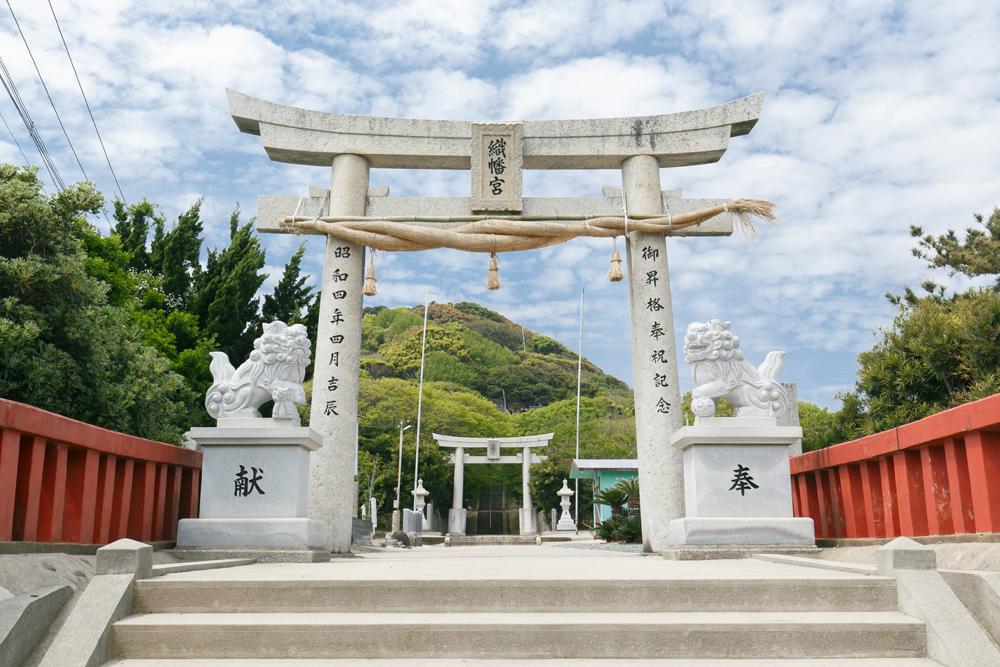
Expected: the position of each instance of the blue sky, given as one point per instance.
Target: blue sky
(877, 115)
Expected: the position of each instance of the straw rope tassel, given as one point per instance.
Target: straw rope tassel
(371, 283)
(615, 270)
(493, 277)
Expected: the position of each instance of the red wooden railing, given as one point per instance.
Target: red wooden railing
(62, 480)
(936, 476)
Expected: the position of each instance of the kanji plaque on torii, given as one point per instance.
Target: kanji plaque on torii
(496, 218)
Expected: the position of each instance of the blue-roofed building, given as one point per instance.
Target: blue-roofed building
(605, 473)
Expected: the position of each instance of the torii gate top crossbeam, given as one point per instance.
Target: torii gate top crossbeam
(516, 441)
(302, 136)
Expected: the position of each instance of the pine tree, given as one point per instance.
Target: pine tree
(178, 252)
(156, 245)
(291, 296)
(978, 254)
(132, 227)
(225, 296)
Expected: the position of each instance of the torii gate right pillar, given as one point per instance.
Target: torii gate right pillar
(654, 359)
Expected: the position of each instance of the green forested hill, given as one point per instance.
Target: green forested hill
(484, 376)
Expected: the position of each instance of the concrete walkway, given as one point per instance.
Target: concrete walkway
(546, 562)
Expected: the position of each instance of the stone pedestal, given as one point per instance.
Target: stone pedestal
(254, 490)
(456, 521)
(737, 486)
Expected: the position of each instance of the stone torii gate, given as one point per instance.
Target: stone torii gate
(352, 145)
(494, 454)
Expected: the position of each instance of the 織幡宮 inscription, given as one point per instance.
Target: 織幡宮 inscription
(496, 161)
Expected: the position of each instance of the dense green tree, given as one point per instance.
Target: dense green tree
(607, 430)
(384, 403)
(820, 427)
(66, 347)
(225, 300)
(404, 352)
(292, 296)
(936, 354)
(131, 226)
(176, 255)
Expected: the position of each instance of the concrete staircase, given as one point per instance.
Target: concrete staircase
(794, 621)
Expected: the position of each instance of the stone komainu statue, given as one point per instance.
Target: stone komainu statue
(274, 372)
(720, 371)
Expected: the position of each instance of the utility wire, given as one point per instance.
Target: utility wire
(52, 103)
(14, 139)
(22, 110)
(86, 101)
(46, 88)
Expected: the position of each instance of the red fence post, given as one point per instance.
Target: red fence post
(982, 448)
(175, 503)
(148, 500)
(910, 493)
(958, 482)
(890, 501)
(937, 500)
(825, 526)
(59, 493)
(195, 497)
(10, 452)
(855, 524)
(160, 508)
(32, 520)
(107, 498)
(88, 502)
(871, 494)
(125, 496)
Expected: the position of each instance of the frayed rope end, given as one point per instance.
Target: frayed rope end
(493, 276)
(615, 273)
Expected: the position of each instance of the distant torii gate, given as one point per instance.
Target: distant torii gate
(494, 454)
(354, 216)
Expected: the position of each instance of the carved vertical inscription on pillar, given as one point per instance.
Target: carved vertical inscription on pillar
(496, 167)
(654, 359)
(335, 390)
(334, 410)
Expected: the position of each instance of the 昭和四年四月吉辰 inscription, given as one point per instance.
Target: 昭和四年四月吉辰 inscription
(496, 165)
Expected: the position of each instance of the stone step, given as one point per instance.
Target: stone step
(760, 635)
(493, 595)
(487, 662)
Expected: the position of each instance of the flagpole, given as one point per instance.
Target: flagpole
(420, 398)
(579, 377)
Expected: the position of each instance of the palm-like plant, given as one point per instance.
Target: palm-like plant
(630, 487)
(613, 498)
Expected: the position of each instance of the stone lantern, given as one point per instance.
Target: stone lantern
(565, 520)
(420, 500)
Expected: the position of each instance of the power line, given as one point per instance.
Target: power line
(46, 88)
(14, 139)
(52, 103)
(86, 101)
(22, 110)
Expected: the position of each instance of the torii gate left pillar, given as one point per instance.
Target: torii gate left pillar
(334, 410)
